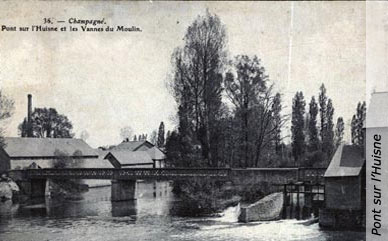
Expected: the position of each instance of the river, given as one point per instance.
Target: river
(155, 215)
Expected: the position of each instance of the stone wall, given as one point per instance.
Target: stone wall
(342, 219)
(343, 193)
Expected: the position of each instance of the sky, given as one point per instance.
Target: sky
(105, 81)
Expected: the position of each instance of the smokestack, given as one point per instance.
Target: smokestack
(29, 112)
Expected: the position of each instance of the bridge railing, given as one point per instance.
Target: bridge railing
(128, 173)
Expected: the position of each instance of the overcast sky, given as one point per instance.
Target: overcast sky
(104, 81)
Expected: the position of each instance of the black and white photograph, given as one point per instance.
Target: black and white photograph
(193, 120)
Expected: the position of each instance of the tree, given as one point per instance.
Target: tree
(126, 132)
(322, 110)
(264, 124)
(84, 135)
(154, 137)
(328, 143)
(278, 122)
(134, 138)
(160, 141)
(196, 84)
(339, 131)
(47, 122)
(297, 122)
(244, 91)
(357, 124)
(6, 110)
(312, 126)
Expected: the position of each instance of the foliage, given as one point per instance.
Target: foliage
(160, 140)
(315, 159)
(327, 124)
(201, 196)
(211, 132)
(84, 135)
(278, 121)
(314, 142)
(47, 122)
(154, 137)
(328, 143)
(297, 122)
(339, 131)
(357, 124)
(323, 110)
(196, 84)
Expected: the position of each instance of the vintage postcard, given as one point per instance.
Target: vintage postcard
(193, 120)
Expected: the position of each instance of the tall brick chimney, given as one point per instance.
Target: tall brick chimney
(29, 112)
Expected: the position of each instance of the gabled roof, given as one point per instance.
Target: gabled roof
(131, 145)
(156, 154)
(348, 160)
(374, 116)
(22, 147)
(127, 157)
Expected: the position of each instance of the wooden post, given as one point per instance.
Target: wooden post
(297, 202)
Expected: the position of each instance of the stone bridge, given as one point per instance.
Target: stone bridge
(33, 181)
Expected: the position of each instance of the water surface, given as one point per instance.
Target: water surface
(155, 215)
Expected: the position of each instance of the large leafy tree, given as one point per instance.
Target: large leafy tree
(244, 91)
(47, 122)
(196, 83)
(257, 110)
(297, 122)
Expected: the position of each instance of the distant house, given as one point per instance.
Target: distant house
(157, 156)
(134, 146)
(145, 148)
(129, 159)
(22, 152)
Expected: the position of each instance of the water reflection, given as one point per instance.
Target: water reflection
(124, 208)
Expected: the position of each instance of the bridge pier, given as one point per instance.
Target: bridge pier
(123, 190)
(33, 187)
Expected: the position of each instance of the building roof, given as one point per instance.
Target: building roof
(348, 160)
(23, 147)
(127, 157)
(101, 162)
(131, 145)
(374, 116)
(156, 154)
